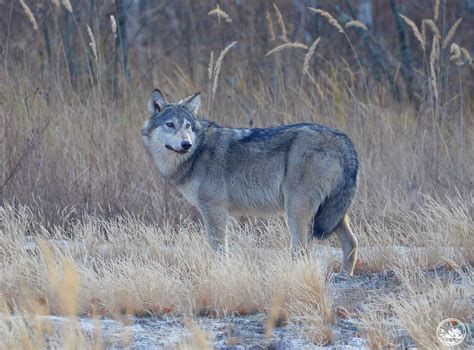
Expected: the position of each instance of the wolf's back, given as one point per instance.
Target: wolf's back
(337, 203)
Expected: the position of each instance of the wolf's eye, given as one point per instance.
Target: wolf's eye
(170, 125)
(188, 126)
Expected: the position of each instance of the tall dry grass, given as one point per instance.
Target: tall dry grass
(88, 228)
(114, 268)
(417, 310)
(66, 146)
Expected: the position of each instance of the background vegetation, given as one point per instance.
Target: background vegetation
(75, 76)
(74, 92)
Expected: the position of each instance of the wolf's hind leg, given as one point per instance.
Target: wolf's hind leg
(298, 220)
(349, 246)
(215, 222)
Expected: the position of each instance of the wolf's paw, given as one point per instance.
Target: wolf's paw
(341, 277)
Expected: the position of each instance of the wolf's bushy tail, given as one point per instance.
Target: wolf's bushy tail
(337, 203)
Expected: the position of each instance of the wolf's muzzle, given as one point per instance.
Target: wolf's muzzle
(181, 151)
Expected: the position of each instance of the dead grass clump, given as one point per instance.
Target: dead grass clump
(416, 311)
(420, 312)
(378, 327)
(126, 267)
(309, 301)
(430, 235)
(197, 338)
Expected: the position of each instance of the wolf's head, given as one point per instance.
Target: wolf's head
(171, 127)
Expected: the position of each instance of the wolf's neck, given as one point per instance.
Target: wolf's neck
(168, 165)
(179, 169)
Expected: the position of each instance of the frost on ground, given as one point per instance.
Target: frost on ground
(239, 332)
(173, 332)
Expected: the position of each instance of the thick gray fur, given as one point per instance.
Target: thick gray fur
(306, 171)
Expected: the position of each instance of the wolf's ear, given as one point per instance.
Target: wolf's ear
(192, 103)
(156, 102)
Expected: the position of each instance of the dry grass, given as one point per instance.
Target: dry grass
(451, 32)
(29, 14)
(126, 267)
(329, 17)
(281, 22)
(287, 46)
(67, 5)
(309, 55)
(416, 31)
(218, 66)
(356, 24)
(419, 308)
(88, 229)
(93, 44)
(220, 14)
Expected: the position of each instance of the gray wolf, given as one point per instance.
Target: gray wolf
(306, 171)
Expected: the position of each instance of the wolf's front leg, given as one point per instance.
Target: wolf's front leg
(215, 221)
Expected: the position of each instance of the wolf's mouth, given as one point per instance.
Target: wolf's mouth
(179, 152)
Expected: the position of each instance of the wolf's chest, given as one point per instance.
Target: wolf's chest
(190, 190)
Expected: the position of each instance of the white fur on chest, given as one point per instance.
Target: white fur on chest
(190, 190)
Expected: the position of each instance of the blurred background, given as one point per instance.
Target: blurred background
(75, 76)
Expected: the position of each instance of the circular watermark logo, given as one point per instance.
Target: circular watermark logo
(451, 332)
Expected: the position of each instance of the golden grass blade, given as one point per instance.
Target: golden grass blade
(281, 22)
(92, 42)
(67, 5)
(430, 23)
(451, 32)
(220, 14)
(271, 30)
(436, 10)
(69, 291)
(210, 68)
(423, 30)
(415, 30)
(356, 24)
(309, 55)
(329, 17)
(199, 340)
(276, 312)
(467, 56)
(217, 67)
(287, 46)
(113, 25)
(29, 14)
(434, 56)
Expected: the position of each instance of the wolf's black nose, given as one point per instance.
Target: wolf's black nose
(186, 145)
